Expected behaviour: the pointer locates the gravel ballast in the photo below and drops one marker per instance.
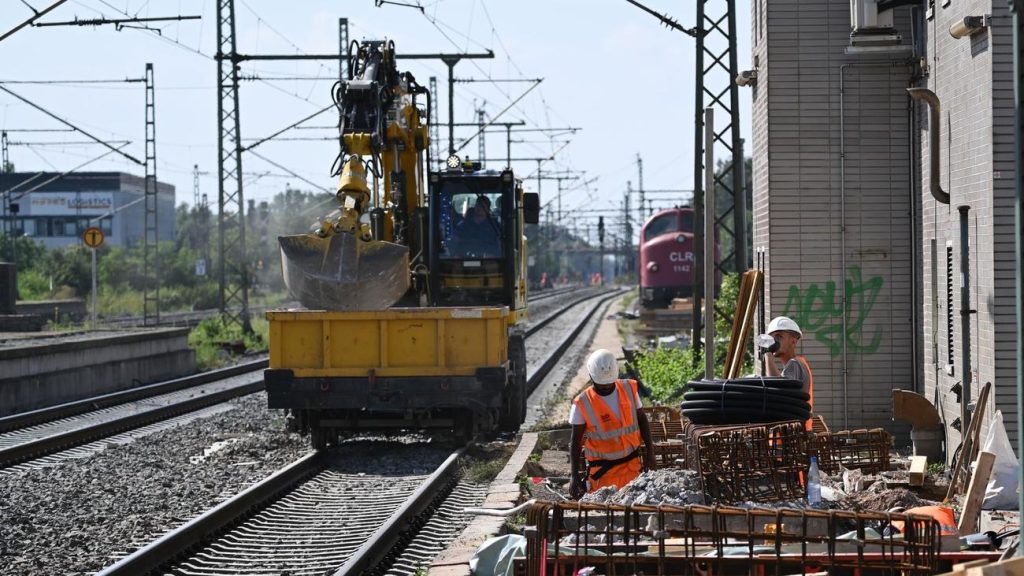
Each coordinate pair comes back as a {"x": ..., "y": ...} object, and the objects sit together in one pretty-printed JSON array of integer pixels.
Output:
[{"x": 79, "y": 516}]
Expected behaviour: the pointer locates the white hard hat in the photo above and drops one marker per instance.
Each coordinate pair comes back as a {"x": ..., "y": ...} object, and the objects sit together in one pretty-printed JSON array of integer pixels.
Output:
[
  {"x": 603, "y": 367},
  {"x": 783, "y": 323}
]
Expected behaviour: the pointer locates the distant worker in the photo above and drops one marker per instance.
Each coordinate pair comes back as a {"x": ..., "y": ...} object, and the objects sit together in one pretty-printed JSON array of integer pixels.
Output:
[
  {"x": 609, "y": 428},
  {"x": 478, "y": 235},
  {"x": 787, "y": 334}
]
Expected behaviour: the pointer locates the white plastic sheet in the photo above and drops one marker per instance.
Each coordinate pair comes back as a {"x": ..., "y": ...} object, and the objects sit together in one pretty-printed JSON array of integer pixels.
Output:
[{"x": 1001, "y": 493}]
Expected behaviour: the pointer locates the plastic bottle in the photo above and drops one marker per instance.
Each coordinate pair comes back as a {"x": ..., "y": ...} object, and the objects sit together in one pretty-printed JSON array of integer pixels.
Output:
[
  {"x": 814, "y": 483},
  {"x": 767, "y": 343}
]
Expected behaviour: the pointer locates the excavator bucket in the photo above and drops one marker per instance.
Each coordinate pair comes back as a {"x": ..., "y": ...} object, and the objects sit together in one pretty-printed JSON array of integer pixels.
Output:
[{"x": 344, "y": 273}]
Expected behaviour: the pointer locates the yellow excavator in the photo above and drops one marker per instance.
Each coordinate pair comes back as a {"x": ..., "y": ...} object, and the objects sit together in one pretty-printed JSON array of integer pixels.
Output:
[{"x": 414, "y": 289}]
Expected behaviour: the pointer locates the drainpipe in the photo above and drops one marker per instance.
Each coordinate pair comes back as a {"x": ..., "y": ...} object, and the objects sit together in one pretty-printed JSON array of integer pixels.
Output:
[
  {"x": 1018, "y": 221},
  {"x": 842, "y": 234},
  {"x": 914, "y": 196},
  {"x": 929, "y": 97},
  {"x": 965, "y": 320}
]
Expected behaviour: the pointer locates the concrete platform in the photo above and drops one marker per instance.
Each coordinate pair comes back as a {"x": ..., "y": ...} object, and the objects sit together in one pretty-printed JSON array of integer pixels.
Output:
[{"x": 46, "y": 368}]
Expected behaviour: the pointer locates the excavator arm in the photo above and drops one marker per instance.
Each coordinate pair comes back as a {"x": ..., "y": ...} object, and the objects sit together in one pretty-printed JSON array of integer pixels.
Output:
[{"x": 350, "y": 262}]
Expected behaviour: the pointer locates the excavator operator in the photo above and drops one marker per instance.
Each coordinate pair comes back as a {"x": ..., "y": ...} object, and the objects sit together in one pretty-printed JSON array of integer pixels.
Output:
[{"x": 478, "y": 236}]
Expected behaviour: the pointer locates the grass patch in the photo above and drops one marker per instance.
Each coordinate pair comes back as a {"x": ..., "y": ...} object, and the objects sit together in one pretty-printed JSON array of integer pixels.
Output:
[
  {"x": 217, "y": 342},
  {"x": 666, "y": 372},
  {"x": 484, "y": 462}
]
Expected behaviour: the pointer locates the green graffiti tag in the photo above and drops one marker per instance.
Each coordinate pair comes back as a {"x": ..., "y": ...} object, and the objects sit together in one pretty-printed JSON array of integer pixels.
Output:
[{"x": 817, "y": 308}]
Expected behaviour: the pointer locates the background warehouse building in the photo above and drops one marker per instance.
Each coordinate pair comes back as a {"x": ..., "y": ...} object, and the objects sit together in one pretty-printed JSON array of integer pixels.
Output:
[
  {"x": 862, "y": 253},
  {"x": 56, "y": 213}
]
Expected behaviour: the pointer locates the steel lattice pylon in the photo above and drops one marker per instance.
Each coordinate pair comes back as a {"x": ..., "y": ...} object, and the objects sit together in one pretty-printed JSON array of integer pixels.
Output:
[
  {"x": 715, "y": 88},
  {"x": 435, "y": 132},
  {"x": 5, "y": 162},
  {"x": 233, "y": 270},
  {"x": 343, "y": 48},
  {"x": 151, "y": 238}
]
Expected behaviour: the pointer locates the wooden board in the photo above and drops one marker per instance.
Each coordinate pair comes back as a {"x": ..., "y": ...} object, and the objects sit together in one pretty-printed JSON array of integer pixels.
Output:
[
  {"x": 918, "y": 470},
  {"x": 976, "y": 493}
]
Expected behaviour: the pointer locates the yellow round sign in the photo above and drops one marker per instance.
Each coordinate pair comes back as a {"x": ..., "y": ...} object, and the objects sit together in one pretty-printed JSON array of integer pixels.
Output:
[{"x": 93, "y": 237}]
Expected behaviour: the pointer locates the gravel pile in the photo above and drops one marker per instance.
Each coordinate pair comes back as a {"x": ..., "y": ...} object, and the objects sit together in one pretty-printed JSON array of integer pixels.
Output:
[
  {"x": 79, "y": 516},
  {"x": 671, "y": 486}
]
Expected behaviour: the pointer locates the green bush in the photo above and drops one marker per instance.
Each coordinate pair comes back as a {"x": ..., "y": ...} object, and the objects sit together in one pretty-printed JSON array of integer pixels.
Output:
[
  {"x": 666, "y": 371},
  {"x": 214, "y": 338}
]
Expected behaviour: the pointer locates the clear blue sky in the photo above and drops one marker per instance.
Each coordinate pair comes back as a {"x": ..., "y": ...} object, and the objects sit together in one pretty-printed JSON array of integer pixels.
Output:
[{"x": 608, "y": 68}]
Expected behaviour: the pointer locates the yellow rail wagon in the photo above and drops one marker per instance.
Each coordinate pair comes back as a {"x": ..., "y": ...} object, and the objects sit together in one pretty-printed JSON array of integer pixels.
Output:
[{"x": 414, "y": 288}]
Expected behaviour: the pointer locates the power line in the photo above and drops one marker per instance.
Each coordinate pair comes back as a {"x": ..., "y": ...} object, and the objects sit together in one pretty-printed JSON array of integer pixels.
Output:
[
  {"x": 118, "y": 23},
  {"x": 70, "y": 125},
  {"x": 31, "y": 20}
]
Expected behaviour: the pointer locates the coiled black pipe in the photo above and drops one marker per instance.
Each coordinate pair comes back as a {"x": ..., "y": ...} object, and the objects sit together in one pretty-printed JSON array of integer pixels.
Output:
[{"x": 745, "y": 401}]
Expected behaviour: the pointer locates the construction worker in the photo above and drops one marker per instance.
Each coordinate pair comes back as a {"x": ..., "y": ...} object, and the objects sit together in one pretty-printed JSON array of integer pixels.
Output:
[
  {"x": 608, "y": 428},
  {"x": 787, "y": 335}
]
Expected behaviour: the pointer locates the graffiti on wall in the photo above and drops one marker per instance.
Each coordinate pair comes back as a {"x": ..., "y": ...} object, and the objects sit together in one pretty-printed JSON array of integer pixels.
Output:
[{"x": 819, "y": 312}]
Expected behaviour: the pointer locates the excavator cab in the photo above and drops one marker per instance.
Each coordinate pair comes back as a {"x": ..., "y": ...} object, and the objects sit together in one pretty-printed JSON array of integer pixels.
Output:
[{"x": 476, "y": 231}]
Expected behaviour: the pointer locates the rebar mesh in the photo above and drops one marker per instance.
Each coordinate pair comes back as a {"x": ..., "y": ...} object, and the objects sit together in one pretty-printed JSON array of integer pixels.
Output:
[
  {"x": 566, "y": 537},
  {"x": 866, "y": 450}
]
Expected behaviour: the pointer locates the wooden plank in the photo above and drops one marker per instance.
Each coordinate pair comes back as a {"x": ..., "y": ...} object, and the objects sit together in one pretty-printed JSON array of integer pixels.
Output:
[
  {"x": 918, "y": 470},
  {"x": 976, "y": 493},
  {"x": 972, "y": 564},
  {"x": 968, "y": 444},
  {"x": 1013, "y": 567}
]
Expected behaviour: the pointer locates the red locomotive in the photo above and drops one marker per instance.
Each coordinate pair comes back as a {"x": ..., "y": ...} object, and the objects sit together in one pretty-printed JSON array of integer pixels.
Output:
[{"x": 667, "y": 258}]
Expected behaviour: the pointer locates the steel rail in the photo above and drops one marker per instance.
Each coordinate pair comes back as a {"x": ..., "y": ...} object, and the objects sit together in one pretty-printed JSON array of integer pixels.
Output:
[
  {"x": 48, "y": 414},
  {"x": 382, "y": 544},
  {"x": 540, "y": 373},
  {"x": 371, "y": 553},
  {"x": 72, "y": 438},
  {"x": 383, "y": 541},
  {"x": 194, "y": 532}
]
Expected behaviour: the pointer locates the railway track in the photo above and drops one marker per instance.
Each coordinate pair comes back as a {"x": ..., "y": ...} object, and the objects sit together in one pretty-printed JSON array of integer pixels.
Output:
[
  {"x": 41, "y": 434},
  {"x": 312, "y": 518}
]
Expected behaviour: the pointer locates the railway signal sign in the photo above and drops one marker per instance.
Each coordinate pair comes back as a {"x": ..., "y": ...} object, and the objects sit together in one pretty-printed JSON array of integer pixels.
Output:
[{"x": 93, "y": 237}]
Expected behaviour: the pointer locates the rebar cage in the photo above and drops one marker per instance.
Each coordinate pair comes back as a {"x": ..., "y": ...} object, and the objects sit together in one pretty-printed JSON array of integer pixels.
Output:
[
  {"x": 753, "y": 463},
  {"x": 864, "y": 450},
  {"x": 563, "y": 538}
]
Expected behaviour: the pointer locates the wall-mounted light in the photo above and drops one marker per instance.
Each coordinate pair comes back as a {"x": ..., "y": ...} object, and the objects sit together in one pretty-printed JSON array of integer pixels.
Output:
[
  {"x": 967, "y": 26},
  {"x": 746, "y": 78}
]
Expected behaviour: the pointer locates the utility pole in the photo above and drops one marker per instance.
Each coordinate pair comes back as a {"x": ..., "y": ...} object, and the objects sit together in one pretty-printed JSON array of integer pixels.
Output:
[
  {"x": 450, "y": 60},
  {"x": 343, "y": 71},
  {"x": 434, "y": 128},
  {"x": 151, "y": 250},
  {"x": 234, "y": 274},
  {"x": 640, "y": 185},
  {"x": 5, "y": 165},
  {"x": 482, "y": 142}
]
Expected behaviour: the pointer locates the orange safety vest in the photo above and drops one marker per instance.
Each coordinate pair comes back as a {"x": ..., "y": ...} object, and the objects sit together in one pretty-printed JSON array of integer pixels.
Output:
[
  {"x": 810, "y": 389},
  {"x": 942, "y": 514},
  {"x": 611, "y": 445}
]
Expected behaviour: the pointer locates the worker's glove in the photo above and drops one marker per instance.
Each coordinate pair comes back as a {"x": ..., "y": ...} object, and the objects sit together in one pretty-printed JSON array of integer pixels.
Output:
[{"x": 768, "y": 344}]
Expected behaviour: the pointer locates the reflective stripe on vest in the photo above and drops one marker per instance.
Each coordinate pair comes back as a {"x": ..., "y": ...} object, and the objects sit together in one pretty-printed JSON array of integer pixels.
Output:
[{"x": 609, "y": 437}]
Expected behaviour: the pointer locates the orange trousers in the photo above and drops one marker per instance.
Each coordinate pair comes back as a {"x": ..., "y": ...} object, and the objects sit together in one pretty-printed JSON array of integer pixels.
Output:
[{"x": 618, "y": 476}]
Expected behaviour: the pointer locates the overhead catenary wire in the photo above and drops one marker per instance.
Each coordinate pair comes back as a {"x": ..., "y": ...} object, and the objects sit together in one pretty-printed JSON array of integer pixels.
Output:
[
  {"x": 70, "y": 125},
  {"x": 55, "y": 178}
]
